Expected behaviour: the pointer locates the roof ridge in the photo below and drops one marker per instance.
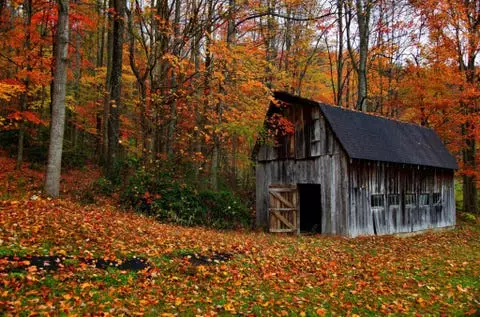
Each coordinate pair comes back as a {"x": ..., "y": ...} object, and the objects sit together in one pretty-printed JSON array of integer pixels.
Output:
[
  {"x": 375, "y": 115},
  {"x": 282, "y": 94}
]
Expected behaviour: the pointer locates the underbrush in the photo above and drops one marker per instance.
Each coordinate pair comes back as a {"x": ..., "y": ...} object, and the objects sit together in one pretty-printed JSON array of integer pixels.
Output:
[{"x": 173, "y": 201}]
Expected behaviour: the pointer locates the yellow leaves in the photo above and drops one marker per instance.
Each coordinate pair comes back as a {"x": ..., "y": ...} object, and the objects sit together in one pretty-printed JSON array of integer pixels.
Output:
[
  {"x": 461, "y": 289},
  {"x": 32, "y": 268},
  {"x": 10, "y": 90},
  {"x": 270, "y": 275},
  {"x": 229, "y": 307}
]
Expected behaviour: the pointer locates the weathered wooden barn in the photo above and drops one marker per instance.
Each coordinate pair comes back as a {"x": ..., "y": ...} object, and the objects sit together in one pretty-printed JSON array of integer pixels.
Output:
[{"x": 343, "y": 172}]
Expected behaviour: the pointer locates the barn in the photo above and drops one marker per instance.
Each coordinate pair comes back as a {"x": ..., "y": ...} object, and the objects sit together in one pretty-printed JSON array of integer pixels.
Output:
[{"x": 336, "y": 171}]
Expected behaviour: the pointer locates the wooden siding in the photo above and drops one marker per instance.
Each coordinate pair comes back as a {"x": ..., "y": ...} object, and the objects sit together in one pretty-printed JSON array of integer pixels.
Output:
[
  {"x": 326, "y": 164},
  {"x": 414, "y": 198},
  {"x": 407, "y": 198}
]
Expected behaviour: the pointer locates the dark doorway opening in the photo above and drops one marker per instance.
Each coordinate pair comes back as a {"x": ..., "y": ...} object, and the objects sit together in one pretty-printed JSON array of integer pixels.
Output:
[{"x": 310, "y": 208}]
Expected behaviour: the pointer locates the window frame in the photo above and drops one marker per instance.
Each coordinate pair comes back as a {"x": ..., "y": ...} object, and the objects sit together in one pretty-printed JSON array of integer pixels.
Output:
[
  {"x": 421, "y": 197},
  {"x": 437, "y": 202},
  {"x": 397, "y": 199},
  {"x": 413, "y": 195},
  {"x": 374, "y": 198}
]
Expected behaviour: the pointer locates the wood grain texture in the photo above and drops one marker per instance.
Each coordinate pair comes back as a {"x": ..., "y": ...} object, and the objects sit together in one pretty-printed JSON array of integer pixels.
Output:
[{"x": 414, "y": 197}]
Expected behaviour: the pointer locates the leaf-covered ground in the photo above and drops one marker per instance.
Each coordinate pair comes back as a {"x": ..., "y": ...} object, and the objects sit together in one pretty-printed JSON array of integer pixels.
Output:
[{"x": 250, "y": 273}]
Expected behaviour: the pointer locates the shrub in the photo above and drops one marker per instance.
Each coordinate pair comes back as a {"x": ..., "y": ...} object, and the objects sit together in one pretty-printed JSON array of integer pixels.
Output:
[
  {"x": 468, "y": 217},
  {"x": 224, "y": 210},
  {"x": 172, "y": 201},
  {"x": 103, "y": 186},
  {"x": 72, "y": 159}
]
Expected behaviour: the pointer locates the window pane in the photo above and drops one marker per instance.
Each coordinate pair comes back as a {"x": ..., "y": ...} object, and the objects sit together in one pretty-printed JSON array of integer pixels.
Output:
[
  {"x": 393, "y": 199},
  {"x": 377, "y": 201},
  {"x": 424, "y": 199},
  {"x": 437, "y": 199},
  {"x": 410, "y": 199}
]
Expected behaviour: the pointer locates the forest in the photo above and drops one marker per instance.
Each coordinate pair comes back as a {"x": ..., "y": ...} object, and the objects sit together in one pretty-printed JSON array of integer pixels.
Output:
[
  {"x": 126, "y": 136},
  {"x": 163, "y": 85}
]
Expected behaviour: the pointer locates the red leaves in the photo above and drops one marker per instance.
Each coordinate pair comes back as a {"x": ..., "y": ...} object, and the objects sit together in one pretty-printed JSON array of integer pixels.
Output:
[
  {"x": 27, "y": 116},
  {"x": 435, "y": 273}
]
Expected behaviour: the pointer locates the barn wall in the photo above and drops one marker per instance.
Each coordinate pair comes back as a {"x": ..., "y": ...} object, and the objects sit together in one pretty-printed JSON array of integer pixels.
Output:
[
  {"x": 406, "y": 198},
  {"x": 325, "y": 163}
]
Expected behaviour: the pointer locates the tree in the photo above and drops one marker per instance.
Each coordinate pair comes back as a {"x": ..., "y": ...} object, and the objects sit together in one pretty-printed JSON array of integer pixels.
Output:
[
  {"x": 57, "y": 126},
  {"x": 27, "y": 6},
  {"x": 362, "y": 11},
  {"x": 113, "y": 122},
  {"x": 455, "y": 37}
]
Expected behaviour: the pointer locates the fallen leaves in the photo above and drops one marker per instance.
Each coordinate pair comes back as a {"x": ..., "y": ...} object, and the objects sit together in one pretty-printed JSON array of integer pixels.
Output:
[{"x": 197, "y": 271}]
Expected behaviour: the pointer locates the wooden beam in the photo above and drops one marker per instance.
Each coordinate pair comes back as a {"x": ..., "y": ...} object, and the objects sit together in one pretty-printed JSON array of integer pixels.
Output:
[
  {"x": 283, "y": 209},
  {"x": 284, "y": 220},
  {"x": 282, "y": 230},
  {"x": 282, "y": 199}
]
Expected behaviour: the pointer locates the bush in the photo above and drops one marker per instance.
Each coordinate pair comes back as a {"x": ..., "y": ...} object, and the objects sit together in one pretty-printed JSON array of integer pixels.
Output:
[
  {"x": 224, "y": 210},
  {"x": 172, "y": 201},
  {"x": 103, "y": 186},
  {"x": 72, "y": 159},
  {"x": 468, "y": 217}
]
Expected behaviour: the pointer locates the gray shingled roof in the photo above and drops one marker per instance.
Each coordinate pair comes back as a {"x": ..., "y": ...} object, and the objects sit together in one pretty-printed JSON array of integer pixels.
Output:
[{"x": 369, "y": 137}]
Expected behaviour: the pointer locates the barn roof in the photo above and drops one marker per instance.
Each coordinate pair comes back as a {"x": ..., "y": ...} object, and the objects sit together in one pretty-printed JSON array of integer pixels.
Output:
[{"x": 369, "y": 137}]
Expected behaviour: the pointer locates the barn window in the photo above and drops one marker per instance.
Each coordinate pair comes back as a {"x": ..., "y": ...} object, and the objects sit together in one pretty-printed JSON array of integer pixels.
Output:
[
  {"x": 436, "y": 198},
  {"x": 393, "y": 199},
  {"x": 410, "y": 199},
  {"x": 377, "y": 200},
  {"x": 424, "y": 199}
]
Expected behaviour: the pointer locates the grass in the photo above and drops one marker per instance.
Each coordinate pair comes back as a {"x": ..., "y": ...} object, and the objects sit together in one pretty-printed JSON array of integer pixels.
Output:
[{"x": 436, "y": 273}]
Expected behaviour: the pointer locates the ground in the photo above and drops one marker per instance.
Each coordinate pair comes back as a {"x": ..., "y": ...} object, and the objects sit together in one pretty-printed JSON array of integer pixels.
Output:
[{"x": 63, "y": 257}]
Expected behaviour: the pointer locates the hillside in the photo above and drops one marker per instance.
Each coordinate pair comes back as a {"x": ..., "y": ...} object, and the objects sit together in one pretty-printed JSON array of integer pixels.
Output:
[{"x": 62, "y": 257}]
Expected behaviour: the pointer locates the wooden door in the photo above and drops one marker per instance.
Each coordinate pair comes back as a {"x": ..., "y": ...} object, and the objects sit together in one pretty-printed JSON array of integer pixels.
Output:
[{"x": 283, "y": 210}]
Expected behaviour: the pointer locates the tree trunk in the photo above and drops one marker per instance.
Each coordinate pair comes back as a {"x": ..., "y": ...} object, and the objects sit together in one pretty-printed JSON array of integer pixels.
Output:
[
  {"x": 24, "y": 98},
  {"x": 57, "y": 126},
  {"x": 270, "y": 44},
  {"x": 340, "y": 81},
  {"x": 106, "y": 100},
  {"x": 195, "y": 57},
  {"x": 363, "y": 20},
  {"x": 102, "y": 8},
  {"x": 174, "y": 80},
  {"x": 470, "y": 192},
  {"x": 116, "y": 83}
]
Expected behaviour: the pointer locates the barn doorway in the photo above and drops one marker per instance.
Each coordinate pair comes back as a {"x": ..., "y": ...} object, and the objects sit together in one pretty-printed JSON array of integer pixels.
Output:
[{"x": 310, "y": 208}]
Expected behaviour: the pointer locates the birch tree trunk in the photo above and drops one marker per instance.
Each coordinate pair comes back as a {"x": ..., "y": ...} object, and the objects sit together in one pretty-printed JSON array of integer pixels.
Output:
[{"x": 57, "y": 127}]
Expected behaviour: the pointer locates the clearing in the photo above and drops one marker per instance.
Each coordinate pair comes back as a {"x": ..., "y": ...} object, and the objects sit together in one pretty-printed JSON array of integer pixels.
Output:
[{"x": 61, "y": 257}]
